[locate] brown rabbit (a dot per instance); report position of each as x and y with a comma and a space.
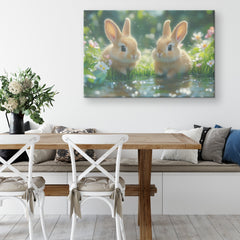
168, 56
123, 51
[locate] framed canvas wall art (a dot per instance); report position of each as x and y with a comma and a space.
149, 54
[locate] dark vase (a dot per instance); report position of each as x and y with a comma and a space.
16, 125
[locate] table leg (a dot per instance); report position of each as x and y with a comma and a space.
145, 221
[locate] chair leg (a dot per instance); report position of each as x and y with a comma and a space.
41, 209
122, 228
73, 225
118, 233
30, 225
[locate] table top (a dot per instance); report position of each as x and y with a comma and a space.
136, 141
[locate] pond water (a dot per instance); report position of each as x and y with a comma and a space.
154, 87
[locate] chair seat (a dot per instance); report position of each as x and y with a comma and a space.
17, 184
98, 184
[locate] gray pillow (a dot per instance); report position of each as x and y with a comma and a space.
214, 144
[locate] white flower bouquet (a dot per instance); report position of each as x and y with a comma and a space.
22, 93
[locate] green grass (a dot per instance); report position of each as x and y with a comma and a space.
144, 68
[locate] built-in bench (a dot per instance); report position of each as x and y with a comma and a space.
182, 187
131, 165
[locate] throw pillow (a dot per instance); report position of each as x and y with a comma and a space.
43, 155
202, 139
214, 144
63, 155
232, 150
6, 154
189, 155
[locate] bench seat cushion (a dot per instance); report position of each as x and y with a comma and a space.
130, 165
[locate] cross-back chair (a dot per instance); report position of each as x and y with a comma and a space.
108, 187
22, 186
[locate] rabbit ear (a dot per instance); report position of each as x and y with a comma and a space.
112, 30
166, 28
127, 27
180, 31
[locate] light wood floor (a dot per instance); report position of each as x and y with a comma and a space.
14, 227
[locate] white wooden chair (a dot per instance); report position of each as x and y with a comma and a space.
107, 187
22, 186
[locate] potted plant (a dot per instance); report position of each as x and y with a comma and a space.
22, 94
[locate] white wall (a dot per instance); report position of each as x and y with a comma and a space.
47, 36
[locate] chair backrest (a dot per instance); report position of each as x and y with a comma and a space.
21, 142
114, 140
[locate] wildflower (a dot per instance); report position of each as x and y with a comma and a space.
210, 32
210, 63
198, 65
93, 44
203, 45
102, 66
11, 104
197, 36
109, 62
15, 87
197, 58
107, 56
84, 42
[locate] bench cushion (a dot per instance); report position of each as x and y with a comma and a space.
131, 165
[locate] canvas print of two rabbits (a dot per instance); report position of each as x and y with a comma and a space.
143, 54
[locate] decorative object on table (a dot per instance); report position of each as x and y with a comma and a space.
8, 153
137, 54
63, 155
21, 94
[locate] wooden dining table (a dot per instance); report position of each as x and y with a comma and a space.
144, 143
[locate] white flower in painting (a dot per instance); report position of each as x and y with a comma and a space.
203, 45
11, 104
102, 66
15, 87
93, 44
197, 58
197, 36
210, 63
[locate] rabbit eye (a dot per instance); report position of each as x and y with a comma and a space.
170, 47
123, 48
